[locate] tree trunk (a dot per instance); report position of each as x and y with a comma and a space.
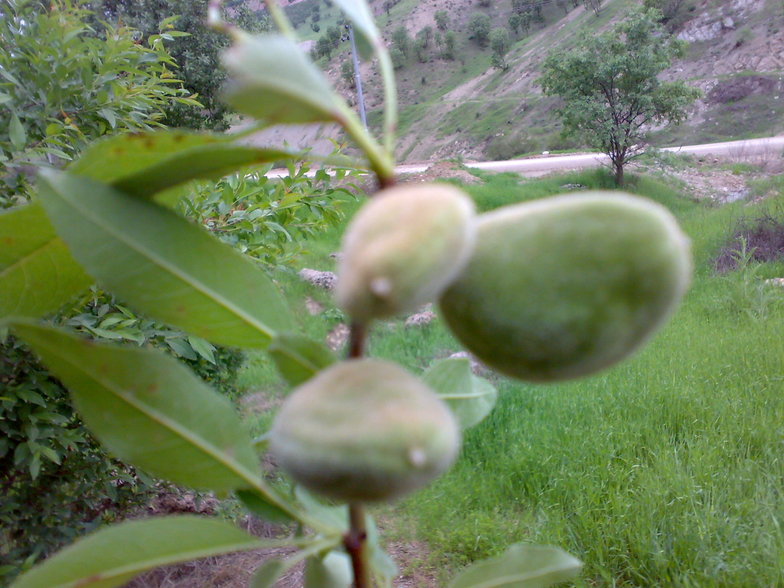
618, 173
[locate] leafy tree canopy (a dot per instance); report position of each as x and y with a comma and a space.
610, 87
65, 81
197, 55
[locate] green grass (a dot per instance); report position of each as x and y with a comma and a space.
666, 470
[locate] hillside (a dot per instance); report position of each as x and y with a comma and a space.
463, 108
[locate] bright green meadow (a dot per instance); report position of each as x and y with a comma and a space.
667, 470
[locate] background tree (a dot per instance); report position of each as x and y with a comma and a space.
479, 28
398, 58
347, 72
401, 40
595, 5
197, 55
442, 20
672, 11
421, 44
499, 44
449, 45
610, 87
107, 81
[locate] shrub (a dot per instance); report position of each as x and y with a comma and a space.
106, 82
56, 481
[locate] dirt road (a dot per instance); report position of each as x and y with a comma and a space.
539, 165
542, 164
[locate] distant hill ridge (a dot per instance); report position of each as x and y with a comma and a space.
462, 107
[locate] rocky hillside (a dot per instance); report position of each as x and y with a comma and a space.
460, 106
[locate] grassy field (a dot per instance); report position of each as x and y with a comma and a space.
666, 470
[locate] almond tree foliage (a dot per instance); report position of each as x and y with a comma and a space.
107, 81
610, 90
197, 55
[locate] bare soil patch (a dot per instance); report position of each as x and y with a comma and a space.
441, 171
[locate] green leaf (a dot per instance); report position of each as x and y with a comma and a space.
271, 79
163, 265
16, 133
331, 571
299, 358
37, 272
203, 348
268, 574
470, 398
520, 566
114, 555
359, 14
144, 164
335, 517
382, 564
149, 410
256, 503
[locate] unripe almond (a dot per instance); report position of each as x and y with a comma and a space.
403, 248
364, 430
562, 287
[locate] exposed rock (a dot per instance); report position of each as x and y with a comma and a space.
572, 187
313, 307
776, 282
324, 280
420, 319
337, 337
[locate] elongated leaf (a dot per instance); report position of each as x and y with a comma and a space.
149, 410
113, 556
271, 79
16, 132
331, 571
471, 398
359, 14
256, 503
144, 164
382, 565
299, 358
268, 573
520, 566
37, 272
332, 516
165, 266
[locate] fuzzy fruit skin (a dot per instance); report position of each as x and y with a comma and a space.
563, 287
403, 248
364, 430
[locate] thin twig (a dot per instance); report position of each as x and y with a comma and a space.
355, 543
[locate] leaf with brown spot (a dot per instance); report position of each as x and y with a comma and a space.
156, 161
164, 265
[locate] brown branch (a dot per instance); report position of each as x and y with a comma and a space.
355, 542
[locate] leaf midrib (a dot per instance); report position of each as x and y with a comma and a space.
166, 266
189, 555
5, 272
154, 415
509, 578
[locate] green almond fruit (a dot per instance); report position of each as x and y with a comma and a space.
364, 431
403, 248
563, 287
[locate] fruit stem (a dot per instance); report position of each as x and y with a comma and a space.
355, 540
355, 543
356, 342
